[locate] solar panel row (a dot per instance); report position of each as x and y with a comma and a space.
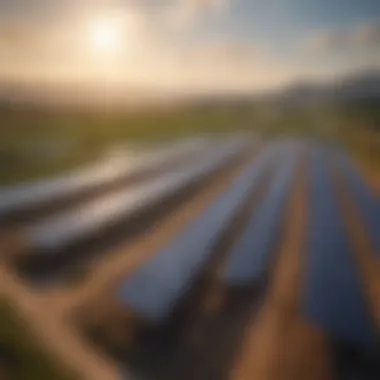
249, 257
366, 201
63, 229
333, 298
20, 197
154, 288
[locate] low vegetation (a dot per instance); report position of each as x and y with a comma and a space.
37, 143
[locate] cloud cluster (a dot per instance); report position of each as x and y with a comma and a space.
367, 35
185, 13
364, 36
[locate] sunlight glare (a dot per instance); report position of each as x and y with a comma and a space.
105, 36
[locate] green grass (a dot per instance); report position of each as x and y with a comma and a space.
31, 362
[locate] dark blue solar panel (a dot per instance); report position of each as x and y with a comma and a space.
366, 201
157, 285
249, 257
333, 298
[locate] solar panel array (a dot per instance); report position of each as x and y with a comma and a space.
366, 201
61, 230
249, 257
20, 197
153, 289
333, 298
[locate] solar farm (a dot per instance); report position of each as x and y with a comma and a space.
200, 259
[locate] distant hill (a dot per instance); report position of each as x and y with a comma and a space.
83, 96
358, 86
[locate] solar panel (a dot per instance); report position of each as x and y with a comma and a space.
366, 201
17, 198
63, 229
249, 257
154, 287
333, 298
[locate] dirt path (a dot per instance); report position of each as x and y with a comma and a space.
53, 333
280, 344
372, 175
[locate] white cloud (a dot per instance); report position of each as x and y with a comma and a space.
365, 36
325, 41
205, 5
184, 13
222, 66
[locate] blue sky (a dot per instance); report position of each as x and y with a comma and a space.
278, 22
188, 45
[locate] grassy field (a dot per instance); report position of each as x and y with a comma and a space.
21, 357
37, 143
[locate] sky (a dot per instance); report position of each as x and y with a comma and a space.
186, 46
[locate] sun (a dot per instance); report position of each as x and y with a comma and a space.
105, 36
